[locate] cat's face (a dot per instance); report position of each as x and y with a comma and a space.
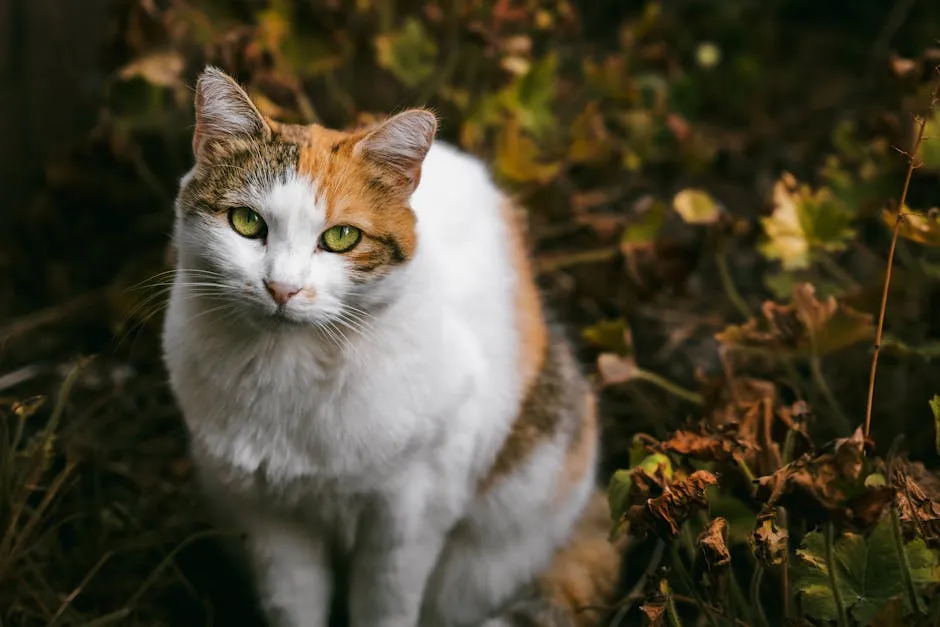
296, 224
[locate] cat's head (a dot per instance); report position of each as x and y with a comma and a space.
296, 223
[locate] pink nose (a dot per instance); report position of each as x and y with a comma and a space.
280, 292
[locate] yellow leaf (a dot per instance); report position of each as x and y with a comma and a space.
696, 207
589, 140
804, 220
517, 156
920, 227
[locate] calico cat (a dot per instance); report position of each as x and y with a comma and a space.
372, 390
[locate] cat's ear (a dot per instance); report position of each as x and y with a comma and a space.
399, 145
224, 111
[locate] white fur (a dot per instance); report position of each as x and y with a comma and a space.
368, 449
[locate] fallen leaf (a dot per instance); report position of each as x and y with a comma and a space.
868, 573
696, 207
922, 227
770, 542
806, 327
705, 447
802, 222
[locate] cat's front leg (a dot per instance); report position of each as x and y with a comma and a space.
389, 574
292, 569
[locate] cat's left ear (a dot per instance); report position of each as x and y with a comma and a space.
224, 111
399, 145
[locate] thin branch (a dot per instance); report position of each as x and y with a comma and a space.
899, 219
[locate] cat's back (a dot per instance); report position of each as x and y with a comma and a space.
466, 225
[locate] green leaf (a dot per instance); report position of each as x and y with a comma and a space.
645, 229
804, 222
409, 53
935, 408
928, 153
868, 573
618, 493
610, 335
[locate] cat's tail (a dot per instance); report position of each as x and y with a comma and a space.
582, 582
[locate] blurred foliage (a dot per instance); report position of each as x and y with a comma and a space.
711, 189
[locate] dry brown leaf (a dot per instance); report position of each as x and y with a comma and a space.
713, 542
713, 559
805, 327
770, 542
705, 447
665, 514
834, 485
918, 500
654, 611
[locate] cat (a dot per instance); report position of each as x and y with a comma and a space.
372, 389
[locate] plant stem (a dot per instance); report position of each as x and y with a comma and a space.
671, 612
755, 595
782, 518
905, 565
636, 593
894, 244
668, 386
820, 380
727, 283
833, 582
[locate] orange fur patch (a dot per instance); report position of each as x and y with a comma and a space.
535, 422
529, 318
355, 193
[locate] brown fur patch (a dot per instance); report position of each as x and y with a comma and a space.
354, 194
582, 451
586, 572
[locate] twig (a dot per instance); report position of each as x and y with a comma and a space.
756, 580
671, 612
815, 364
67, 601
636, 592
894, 243
557, 261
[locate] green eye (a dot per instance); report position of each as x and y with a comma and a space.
247, 222
339, 239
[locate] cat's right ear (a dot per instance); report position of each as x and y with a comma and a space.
224, 111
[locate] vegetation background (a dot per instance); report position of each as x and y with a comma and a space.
712, 191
